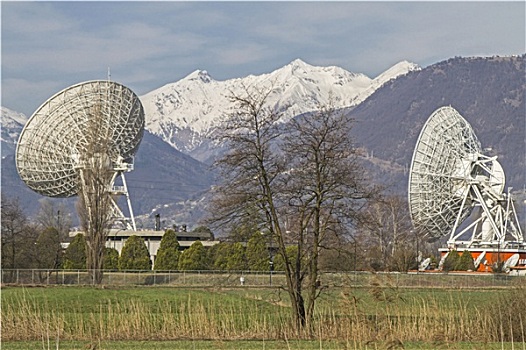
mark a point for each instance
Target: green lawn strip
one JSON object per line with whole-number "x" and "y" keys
{"x": 93, "y": 300}
{"x": 81, "y": 304}
{"x": 370, "y": 300}
{"x": 90, "y": 299}
{"x": 246, "y": 344}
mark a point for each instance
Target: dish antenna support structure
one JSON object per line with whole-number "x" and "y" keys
{"x": 95, "y": 122}
{"x": 451, "y": 179}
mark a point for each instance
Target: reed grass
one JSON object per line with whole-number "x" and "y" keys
{"x": 379, "y": 317}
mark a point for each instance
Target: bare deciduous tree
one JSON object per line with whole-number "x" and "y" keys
{"x": 18, "y": 237}
{"x": 386, "y": 231}
{"x": 94, "y": 206}
{"x": 306, "y": 186}
{"x": 325, "y": 188}
{"x": 54, "y": 214}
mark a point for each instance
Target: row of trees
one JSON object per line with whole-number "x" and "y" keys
{"x": 254, "y": 256}
{"x": 37, "y": 245}
{"x": 134, "y": 255}
{"x": 458, "y": 262}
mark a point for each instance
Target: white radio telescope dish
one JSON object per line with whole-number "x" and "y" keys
{"x": 451, "y": 179}
{"x": 53, "y": 144}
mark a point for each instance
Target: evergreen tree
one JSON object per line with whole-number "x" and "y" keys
{"x": 292, "y": 254}
{"x": 168, "y": 253}
{"x": 466, "y": 262}
{"x": 219, "y": 255}
{"x": 257, "y": 254}
{"x": 451, "y": 261}
{"x": 49, "y": 250}
{"x": 236, "y": 259}
{"x": 111, "y": 259}
{"x": 193, "y": 258}
{"x": 75, "y": 256}
{"x": 135, "y": 255}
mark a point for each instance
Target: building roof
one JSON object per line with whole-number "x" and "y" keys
{"x": 203, "y": 236}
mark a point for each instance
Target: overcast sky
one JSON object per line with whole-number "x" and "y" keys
{"x": 48, "y": 46}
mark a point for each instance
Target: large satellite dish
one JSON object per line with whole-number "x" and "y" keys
{"x": 53, "y": 144}
{"x": 451, "y": 180}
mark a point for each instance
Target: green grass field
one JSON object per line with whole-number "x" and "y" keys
{"x": 374, "y": 317}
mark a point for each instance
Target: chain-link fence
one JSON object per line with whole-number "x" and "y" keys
{"x": 173, "y": 278}
{"x": 258, "y": 279}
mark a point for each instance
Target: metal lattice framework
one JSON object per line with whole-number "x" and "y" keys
{"x": 450, "y": 177}
{"x": 51, "y": 146}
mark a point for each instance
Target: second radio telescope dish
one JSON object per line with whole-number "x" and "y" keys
{"x": 441, "y": 164}
{"x": 57, "y": 134}
{"x": 451, "y": 178}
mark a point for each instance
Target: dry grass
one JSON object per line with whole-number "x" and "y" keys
{"x": 381, "y": 316}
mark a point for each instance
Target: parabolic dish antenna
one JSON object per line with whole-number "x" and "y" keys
{"x": 424, "y": 265}
{"x": 450, "y": 177}
{"x": 479, "y": 259}
{"x": 55, "y": 140}
{"x": 511, "y": 261}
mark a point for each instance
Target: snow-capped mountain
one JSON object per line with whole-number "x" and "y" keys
{"x": 395, "y": 71}
{"x": 12, "y": 125}
{"x": 185, "y": 112}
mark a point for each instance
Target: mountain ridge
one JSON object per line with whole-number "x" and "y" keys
{"x": 184, "y": 112}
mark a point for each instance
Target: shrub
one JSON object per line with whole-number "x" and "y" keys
{"x": 451, "y": 261}
{"x": 236, "y": 259}
{"x": 465, "y": 262}
{"x": 279, "y": 262}
{"x": 49, "y": 249}
{"x": 219, "y": 254}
